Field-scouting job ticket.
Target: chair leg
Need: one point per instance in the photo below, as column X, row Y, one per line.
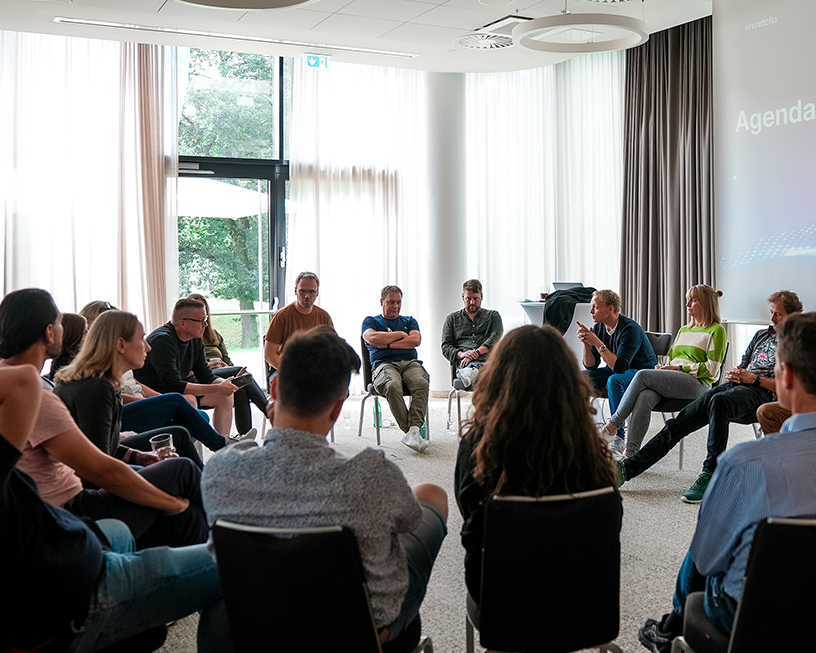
column 428, row 421
column 681, row 451
column 425, row 645
column 609, row 647
column 758, row 434
column 376, row 421
column 450, row 398
column 332, row 434
column 680, row 645
column 362, row 412
column 468, row 635
column 459, row 409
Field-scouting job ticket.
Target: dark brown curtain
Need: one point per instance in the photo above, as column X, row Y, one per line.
column 668, row 221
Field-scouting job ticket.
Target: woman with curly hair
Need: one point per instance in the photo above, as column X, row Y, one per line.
column 531, row 433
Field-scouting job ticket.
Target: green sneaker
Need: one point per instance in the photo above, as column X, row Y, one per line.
column 695, row 493
column 620, row 473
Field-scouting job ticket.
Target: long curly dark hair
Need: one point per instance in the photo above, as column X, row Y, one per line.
column 532, row 431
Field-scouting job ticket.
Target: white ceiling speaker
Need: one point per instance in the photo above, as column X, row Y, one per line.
column 569, row 33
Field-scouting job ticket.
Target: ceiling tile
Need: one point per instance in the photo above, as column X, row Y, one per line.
column 324, row 6
column 464, row 19
column 399, row 10
column 294, row 18
column 426, row 34
column 171, row 8
column 353, row 26
column 147, row 6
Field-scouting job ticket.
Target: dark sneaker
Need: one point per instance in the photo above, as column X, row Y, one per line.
column 653, row 638
column 695, row 493
column 620, row 472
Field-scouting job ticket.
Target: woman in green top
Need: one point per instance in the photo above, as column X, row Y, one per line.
column 696, row 358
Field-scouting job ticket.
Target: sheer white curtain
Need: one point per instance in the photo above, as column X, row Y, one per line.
column 355, row 168
column 81, row 171
column 544, row 178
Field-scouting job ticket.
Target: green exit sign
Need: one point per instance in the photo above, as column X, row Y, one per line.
column 317, row 61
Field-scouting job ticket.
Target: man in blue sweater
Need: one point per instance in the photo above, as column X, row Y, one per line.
column 618, row 342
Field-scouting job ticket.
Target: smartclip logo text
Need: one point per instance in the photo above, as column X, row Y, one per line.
column 770, row 21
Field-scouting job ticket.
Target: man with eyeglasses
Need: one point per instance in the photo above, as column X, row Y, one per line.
column 176, row 350
column 300, row 315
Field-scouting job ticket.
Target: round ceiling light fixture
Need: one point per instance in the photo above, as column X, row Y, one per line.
column 248, row 5
column 568, row 33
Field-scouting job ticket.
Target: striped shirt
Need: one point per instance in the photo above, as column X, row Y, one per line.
column 700, row 351
column 772, row 477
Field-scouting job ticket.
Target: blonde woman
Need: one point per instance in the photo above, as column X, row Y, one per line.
column 696, row 359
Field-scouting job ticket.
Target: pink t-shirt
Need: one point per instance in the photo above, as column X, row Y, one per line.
column 56, row 482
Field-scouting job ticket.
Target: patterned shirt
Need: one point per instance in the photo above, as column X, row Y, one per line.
column 297, row 480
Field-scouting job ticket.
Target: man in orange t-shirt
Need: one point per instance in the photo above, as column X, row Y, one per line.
column 300, row 315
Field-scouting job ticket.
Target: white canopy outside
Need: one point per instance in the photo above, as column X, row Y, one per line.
column 211, row 198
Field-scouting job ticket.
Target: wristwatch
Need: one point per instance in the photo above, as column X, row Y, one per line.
column 602, row 349
column 757, row 382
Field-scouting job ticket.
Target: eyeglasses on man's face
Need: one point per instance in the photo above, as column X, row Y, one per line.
column 192, row 319
column 307, row 293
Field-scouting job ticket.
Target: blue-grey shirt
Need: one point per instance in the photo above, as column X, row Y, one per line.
column 771, row 477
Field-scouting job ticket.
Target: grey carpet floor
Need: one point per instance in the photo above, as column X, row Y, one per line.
column 657, row 527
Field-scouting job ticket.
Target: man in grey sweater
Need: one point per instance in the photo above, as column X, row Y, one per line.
column 295, row 479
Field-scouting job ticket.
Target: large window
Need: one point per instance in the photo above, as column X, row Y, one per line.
column 230, row 194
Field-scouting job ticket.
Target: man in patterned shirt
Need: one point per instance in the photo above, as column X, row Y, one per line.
column 470, row 334
column 296, row 480
column 771, row 477
column 747, row 387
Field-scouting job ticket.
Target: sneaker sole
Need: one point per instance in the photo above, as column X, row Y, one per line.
column 413, row 446
column 685, row 499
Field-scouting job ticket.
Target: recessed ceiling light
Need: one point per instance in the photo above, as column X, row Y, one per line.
column 496, row 3
column 249, row 4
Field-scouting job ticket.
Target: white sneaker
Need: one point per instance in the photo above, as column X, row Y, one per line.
column 412, row 439
column 424, row 444
column 617, row 447
column 467, row 374
column 249, row 436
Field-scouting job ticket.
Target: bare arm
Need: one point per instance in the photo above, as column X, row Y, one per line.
column 410, row 341
column 73, row 449
column 20, row 395
column 272, row 353
column 217, row 387
column 382, row 339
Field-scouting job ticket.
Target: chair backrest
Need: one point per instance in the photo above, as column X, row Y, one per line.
column 778, row 598
column 661, row 342
column 366, row 359
column 293, row 589
column 551, row 572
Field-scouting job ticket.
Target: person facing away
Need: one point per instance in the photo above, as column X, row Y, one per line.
column 297, row 480
column 537, row 439
column 771, row 477
column 746, row 388
column 391, row 340
column 618, row 342
column 300, row 315
column 468, row 335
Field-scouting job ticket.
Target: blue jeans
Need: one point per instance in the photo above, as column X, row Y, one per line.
column 719, row 607
column 615, row 385
column 143, row 589
column 421, row 547
column 718, row 408
column 170, row 409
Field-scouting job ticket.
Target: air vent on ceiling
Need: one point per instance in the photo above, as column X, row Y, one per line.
column 480, row 41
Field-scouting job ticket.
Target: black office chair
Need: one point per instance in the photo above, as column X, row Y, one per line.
column 300, row 590
column 550, row 574
column 371, row 392
column 777, row 599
